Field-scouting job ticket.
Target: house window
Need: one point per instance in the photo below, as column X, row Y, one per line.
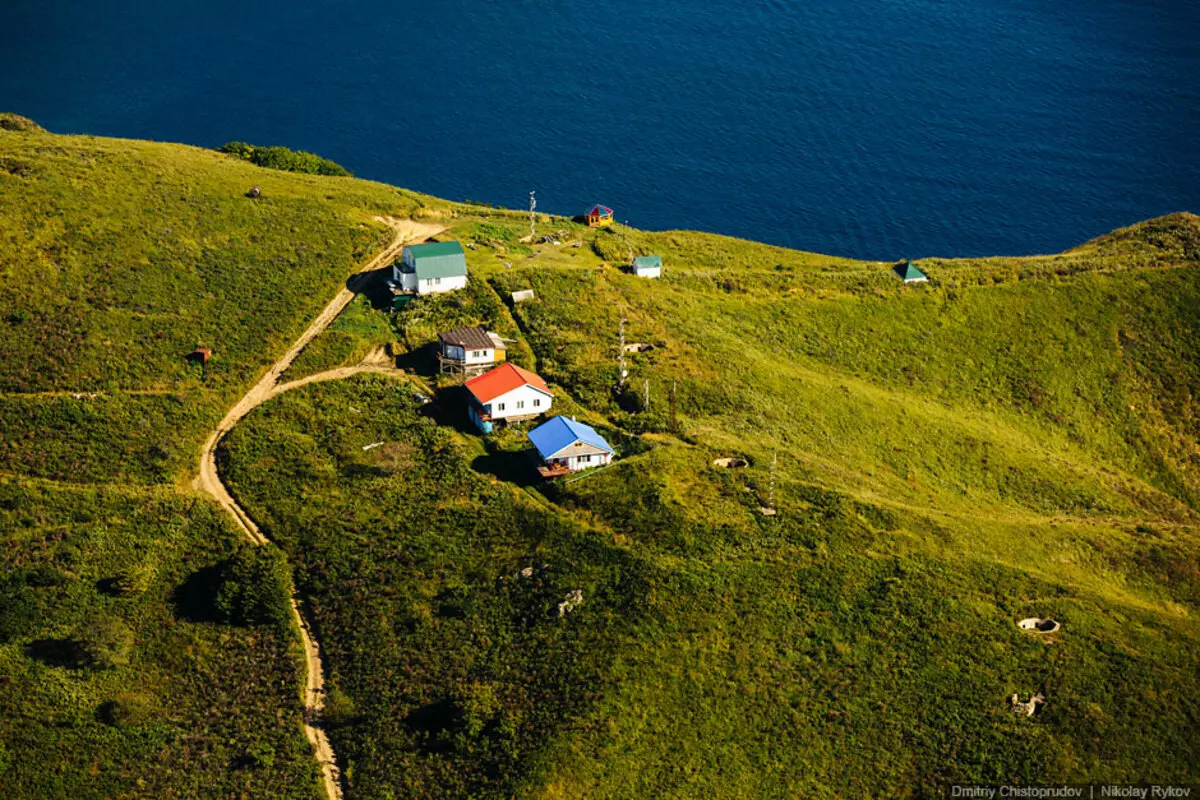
column 500, row 406
column 520, row 404
column 584, row 459
column 537, row 401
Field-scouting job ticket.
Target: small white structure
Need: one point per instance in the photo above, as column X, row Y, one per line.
column 523, row 295
column 468, row 350
column 429, row 268
column 909, row 273
column 567, row 445
column 1039, row 625
column 647, row 266
column 507, row 393
column 1030, row 708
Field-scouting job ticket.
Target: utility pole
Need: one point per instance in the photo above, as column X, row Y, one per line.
column 622, row 372
column 646, row 395
column 532, row 214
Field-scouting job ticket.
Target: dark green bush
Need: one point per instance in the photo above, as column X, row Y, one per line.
column 15, row 122
column 255, row 589
column 284, row 159
column 125, row 710
column 104, row 643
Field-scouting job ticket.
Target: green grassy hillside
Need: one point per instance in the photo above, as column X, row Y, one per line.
column 1017, row 438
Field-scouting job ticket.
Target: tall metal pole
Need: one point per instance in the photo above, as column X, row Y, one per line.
column 646, row 395
column 532, row 214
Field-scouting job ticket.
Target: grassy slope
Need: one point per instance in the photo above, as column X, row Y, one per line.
column 116, row 259
column 1017, row 439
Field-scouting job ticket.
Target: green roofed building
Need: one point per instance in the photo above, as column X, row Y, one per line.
column 647, row 266
column 909, row 273
column 433, row 267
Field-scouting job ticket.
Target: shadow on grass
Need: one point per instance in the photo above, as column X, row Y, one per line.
column 56, row 652
column 433, row 723
column 449, row 409
column 373, row 285
column 422, row 361
column 517, row 468
column 195, row 598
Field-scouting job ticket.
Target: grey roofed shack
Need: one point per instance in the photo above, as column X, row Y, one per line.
column 472, row 339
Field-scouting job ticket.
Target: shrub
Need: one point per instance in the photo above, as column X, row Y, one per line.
column 104, row 643
column 255, row 589
column 15, row 122
column 282, row 158
column 125, row 710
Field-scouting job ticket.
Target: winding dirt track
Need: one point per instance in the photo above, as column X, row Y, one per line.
column 209, row 480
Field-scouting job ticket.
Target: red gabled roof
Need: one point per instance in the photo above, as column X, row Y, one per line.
column 600, row 211
column 502, row 380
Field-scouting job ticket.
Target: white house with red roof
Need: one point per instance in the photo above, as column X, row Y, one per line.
column 507, row 393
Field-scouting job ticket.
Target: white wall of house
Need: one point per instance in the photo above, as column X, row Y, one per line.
column 580, row 456
column 469, row 357
column 647, row 272
column 524, row 401
column 433, row 285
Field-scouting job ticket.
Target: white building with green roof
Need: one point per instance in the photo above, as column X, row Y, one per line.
column 433, row 267
column 647, row 266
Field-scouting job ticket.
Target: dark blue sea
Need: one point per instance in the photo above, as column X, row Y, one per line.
column 874, row 128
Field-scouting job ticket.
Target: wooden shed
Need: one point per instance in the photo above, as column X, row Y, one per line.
column 600, row 216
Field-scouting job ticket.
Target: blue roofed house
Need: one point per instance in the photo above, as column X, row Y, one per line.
column 567, row 445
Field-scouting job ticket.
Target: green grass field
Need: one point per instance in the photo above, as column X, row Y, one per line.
column 1018, row 437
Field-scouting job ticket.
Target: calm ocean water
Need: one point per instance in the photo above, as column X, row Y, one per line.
column 875, row 128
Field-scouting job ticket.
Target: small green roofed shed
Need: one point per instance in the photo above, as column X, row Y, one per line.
column 647, row 266
column 909, row 273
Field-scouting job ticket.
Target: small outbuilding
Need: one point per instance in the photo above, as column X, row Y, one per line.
column 200, row 355
column 600, row 216
column 909, row 273
column 507, row 393
column 429, row 268
column 468, row 350
column 647, row 266
column 567, row 445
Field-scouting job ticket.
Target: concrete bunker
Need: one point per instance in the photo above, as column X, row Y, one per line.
column 1040, row 625
column 731, row 463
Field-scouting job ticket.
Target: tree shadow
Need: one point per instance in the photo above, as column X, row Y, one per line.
column 195, row 598
column 56, row 652
column 433, row 723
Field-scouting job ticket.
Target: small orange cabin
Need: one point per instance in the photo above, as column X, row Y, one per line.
column 200, row 354
column 600, row 216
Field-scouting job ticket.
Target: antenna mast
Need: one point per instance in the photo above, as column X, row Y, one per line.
column 532, row 214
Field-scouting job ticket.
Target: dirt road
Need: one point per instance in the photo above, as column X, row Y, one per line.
column 209, row 480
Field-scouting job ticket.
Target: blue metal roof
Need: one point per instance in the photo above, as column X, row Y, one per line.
column 647, row 262
column 559, row 433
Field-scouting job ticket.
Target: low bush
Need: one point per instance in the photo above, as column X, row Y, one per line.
column 282, row 158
